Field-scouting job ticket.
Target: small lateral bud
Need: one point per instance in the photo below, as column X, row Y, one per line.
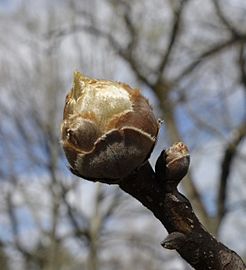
column 173, row 163
column 108, row 129
column 174, row 240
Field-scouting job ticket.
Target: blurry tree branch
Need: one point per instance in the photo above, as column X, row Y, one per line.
column 223, row 18
column 209, row 53
column 173, row 36
column 202, row 123
column 74, row 216
column 125, row 53
column 226, row 166
column 231, row 150
column 15, row 227
column 242, row 67
column 132, row 31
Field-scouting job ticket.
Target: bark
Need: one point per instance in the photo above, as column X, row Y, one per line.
column 158, row 192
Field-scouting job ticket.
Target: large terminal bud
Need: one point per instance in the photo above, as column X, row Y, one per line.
column 108, row 129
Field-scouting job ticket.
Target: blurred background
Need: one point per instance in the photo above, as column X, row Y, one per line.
column 188, row 57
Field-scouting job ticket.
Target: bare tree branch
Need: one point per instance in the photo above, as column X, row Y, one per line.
column 242, row 67
column 226, row 165
column 15, row 227
column 174, row 34
column 133, row 33
column 125, row 53
column 73, row 215
column 223, row 18
column 202, row 123
column 209, row 53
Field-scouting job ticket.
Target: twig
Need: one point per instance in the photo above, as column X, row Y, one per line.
column 158, row 192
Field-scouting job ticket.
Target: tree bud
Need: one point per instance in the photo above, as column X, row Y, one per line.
column 172, row 165
column 108, row 129
column 177, row 162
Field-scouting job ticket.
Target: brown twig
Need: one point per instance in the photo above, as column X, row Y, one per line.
column 158, row 192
